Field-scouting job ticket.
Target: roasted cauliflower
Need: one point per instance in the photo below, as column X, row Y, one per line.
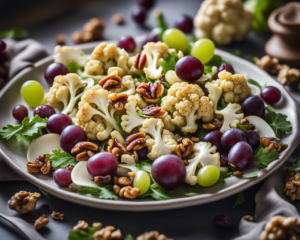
column 67, row 54
column 185, row 103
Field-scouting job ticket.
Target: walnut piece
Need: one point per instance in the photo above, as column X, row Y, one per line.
column 129, row 192
column 185, row 148
column 238, row 173
column 271, row 143
column 140, row 61
column 292, row 186
column 84, row 150
column 116, row 234
column 116, row 148
column 248, row 218
column 271, row 65
column 287, row 75
column 102, row 180
column 57, row 215
column 281, row 228
column 153, row 235
column 153, row 110
column 117, row 100
column 82, row 225
column 41, row 163
column 24, row 202
column 106, row 234
column 112, row 81
column 117, row 18
column 42, row 221
column 135, row 141
column 150, row 92
column 97, row 225
column 212, row 125
column 61, row 39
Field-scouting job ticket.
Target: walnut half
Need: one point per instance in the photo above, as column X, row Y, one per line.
column 153, row 235
column 42, row 221
column 24, row 202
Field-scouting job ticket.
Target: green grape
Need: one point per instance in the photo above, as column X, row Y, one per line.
column 175, row 38
column 32, row 93
column 208, row 175
column 203, row 49
column 142, row 181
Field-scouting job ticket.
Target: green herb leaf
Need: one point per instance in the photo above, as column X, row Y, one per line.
column 169, row 62
column 278, row 121
column 159, row 193
column 104, row 192
column 194, row 190
column 253, row 175
column 144, row 165
column 129, row 237
column 253, row 82
column 243, row 127
column 74, row 67
column 60, row 159
column 15, row 33
column 295, row 167
column 83, row 234
column 43, row 192
column 223, row 176
column 29, row 130
column 101, row 144
column 222, row 102
column 121, row 131
column 140, row 113
column 265, row 157
column 240, row 199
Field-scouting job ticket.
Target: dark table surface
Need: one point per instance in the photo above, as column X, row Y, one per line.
column 185, row 223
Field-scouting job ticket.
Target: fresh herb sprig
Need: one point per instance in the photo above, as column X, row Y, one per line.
column 265, row 157
column 103, row 192
column 79, row 234
column 159, row 193
column 60, row 159
column 295, row 167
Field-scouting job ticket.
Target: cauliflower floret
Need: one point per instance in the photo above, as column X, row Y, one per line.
column 67, row 54
column 162, row 142
column 91, row 127
column 132, row 120
column 94, row 67
column 128, row 82
column 186, row 101
column 229, row 113
column 66, row 91
column 204, row 154
column 155, row 52
column 223, row 21
column 95, row 103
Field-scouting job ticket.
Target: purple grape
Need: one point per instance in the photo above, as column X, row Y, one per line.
column 184, row 23
column 168, row 171
column 189, row 69
column 253, row 105
column 62, row 177
column 231, row 137
column 70, row 136
column 214, row 138
column 223, row 221
column 44, row 111
column 20, row 112
column 58, row 122
column 2, row 46
column 270, row 95
column 224, row 159
column 240, row 156
column 151, row 37
column 225, row 66
column 142, row 153
column 102, row 164
column 253, row 139
column 53, row 70
column 139, row 15
column 146, row 3
column 127, row 42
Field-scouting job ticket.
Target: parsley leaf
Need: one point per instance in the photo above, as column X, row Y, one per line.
column 157, row 192
column 104, row 192
column 194, row 190
column 240, row 199
column 101, row 144
column 223, row 176
column 60, row 159
column 169, row 62
column 121, row 131
column 243, row 127
column 295, row 167
column 253, row 175
column 222, row 102
column 83, row 234
column 129, row 237
column 253, row 82
column 15, row 33
column 74, row 67
column 29, row 130
column 278, row 121
column 144, row 165
column 264, row 157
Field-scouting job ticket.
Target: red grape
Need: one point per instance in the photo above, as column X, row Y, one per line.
column 253, row 139
column 53, row 70
column 189, row 68
column 2, row 46
column 146, row 3
column 151, row 37
column 62, row 177
column 44, row 111
column 225, row 66
column 70, row 136
column 184, row 23
column 231, row 137
column 240, row 156
column 168, row 171
column 20, row 112
column 253, row 105
column 139, row 15
column 102, row 164
column 270, row 95
column 142, row 153
column 127, row 42
column 58, row 122
column 214, row 138
column 223, row 221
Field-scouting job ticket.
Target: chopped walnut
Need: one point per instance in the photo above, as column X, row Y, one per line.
column 135, row 141
column 212, row 125
column 268, row 64
column 84, row 150
column 271, row 143
column 153, row 110
column 140, row 61
column 61, row 39
column 116, row 234
column 292, row 186
column 82, row 225
column 129, row 192
column 117, row 100
column 195, row 139
column 185, row 148
column 102, row 180
column 248, row 218
column 24, row 202
column 107, row 234
column 150, row 92
column 41, row 163
column 57, row 215
column 116, row 148
column 97, row 225
column 287, row 75
column 112, row 81
column 123, row 181
column 281, row 228
column 153, row 235
column 117, row 18
column 42, row 221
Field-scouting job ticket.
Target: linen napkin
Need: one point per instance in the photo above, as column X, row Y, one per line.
column 23, row 54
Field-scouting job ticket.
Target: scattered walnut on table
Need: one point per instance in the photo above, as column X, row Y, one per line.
column 61, row 39
column 153, row 235
column 57, row 215
column 42, row 221
column 292, row 186
column 82, row 225
column 24, row 202
column 271, row 65
column 41, row 163
column 97, row 225
column 150, row 92
column 117, row 18
column 287, row 75
column 248, row 218
column 84, row 150
column 107, row 234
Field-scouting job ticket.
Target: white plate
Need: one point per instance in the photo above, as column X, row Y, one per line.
column 14, row 153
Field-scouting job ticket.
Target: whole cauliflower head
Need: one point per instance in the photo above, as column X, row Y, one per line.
column 235, row 87
column 223, row 21
column 185, row 103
